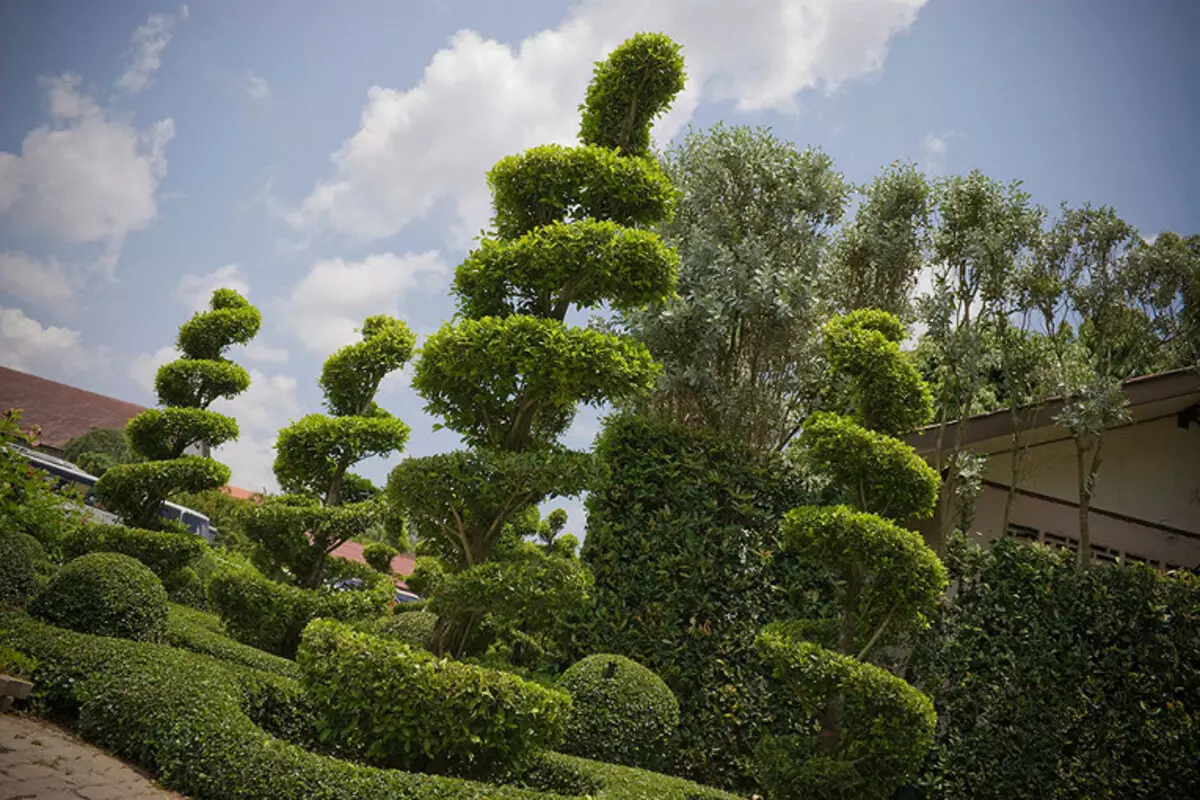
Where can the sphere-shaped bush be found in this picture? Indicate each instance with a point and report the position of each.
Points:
(107, 594)
(17, 575)
(621, 712)
(411, 627)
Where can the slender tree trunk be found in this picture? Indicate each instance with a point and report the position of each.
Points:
(831, 717)
(1085, 535)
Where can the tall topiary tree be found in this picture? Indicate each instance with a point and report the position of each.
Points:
(872, 729)
(186, 388)
(326, 504)
(568, 232)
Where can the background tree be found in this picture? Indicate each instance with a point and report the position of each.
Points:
(874, 729)
(325, 503)
(875, 259)
(186, 388)
(568, 231)
(737, 340)
(99, 449)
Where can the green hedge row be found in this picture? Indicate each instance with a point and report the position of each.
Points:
(161, 551)
(271, 616)
(194, 722)
(202, 632)
(18, 576)
(108, 594)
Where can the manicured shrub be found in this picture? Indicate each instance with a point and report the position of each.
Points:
(379, 556)
(620, 712)
(162, 552)
(400, 707)
(271, 616)
(184, 586)
(414, 628)
(107, 594)
(18, 578)
(202, 632)
(1057, 682)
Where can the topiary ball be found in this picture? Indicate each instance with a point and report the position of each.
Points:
(18, 577)
(621, 712)
(411, 627)
(106, 594)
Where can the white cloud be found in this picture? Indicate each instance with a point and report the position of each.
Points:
(27, 346)
(268, 405)
(479, 99)
(34, 280)
(327, 307)
(145, 51)
(256, 87)
(144, 368)
(85, 177)
(933, 151)
(263, 353)
(196, 290)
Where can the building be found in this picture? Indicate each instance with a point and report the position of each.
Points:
(61, 411)
(1146, 504)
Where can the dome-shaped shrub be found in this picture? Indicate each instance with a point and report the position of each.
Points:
(621, 712)
(17, 575)
(411, 627)
(107, 594)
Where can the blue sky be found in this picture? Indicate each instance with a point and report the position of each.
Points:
(329, 158)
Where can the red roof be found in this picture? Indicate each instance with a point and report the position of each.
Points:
(238, 493)
(62, 411)
(401, 564)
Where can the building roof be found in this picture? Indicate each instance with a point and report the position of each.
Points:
(63, 412)
(238, 493)
(402, 564)
(1149, 397)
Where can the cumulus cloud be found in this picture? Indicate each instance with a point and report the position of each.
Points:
(34, 280)
(328, 306)
(28, 346)
(145, 50)
(268, 405)
(256, 87)
(479, 99)
(933, 151)
(194, 291)
(143, 368)
(85, 177)
(263, 353)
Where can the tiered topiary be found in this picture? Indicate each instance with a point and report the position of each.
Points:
(621, 712)
(107, 594)
(568, 232)
(186, 388)
(327, 504)
(872, 729)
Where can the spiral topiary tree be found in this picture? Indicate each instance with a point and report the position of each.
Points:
(569, 231)
(872, 729)
(326, 504)
(186, 388)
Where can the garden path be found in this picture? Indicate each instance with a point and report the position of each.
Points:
(39, 761)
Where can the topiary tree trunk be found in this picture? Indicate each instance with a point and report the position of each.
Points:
(326, 504)
(874, 729)
(186, 388)
(568, 232)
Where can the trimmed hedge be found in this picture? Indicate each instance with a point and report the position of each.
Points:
(162, 552)
(414, 628)
(396, 706)
(18, 578)
(201, 632)
(271, 616)
(620, 712)
(184, 586)
(107, 594)
(1056, 682)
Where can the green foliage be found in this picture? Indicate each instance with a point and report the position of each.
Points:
(876, 472)
(570, 775)
(99, 449)
(511, 381)
(202, 632)
(875, 260)
(738, 340)
(413, 628)
(28, 502)
(136, 491)
(1058, 682)
(107, 594)
(18, 580)
(629, 89)
(400, 707)
(271, 616)
(226, 513)
(317, 449)
(889, 725)
(681, 527)
(621, 712)
(164, 553)
(553, 183)
(185, 587)
(351, 376)
(15, 664)
(379, 556)
(898, 579)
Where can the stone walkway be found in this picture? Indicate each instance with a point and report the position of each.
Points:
(39, 761)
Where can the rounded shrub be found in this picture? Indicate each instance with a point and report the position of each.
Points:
(163, 552)
(107, 594)
(18, 578)
(379, 556)
(185, 587)
(621, 712)
(413, 628)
